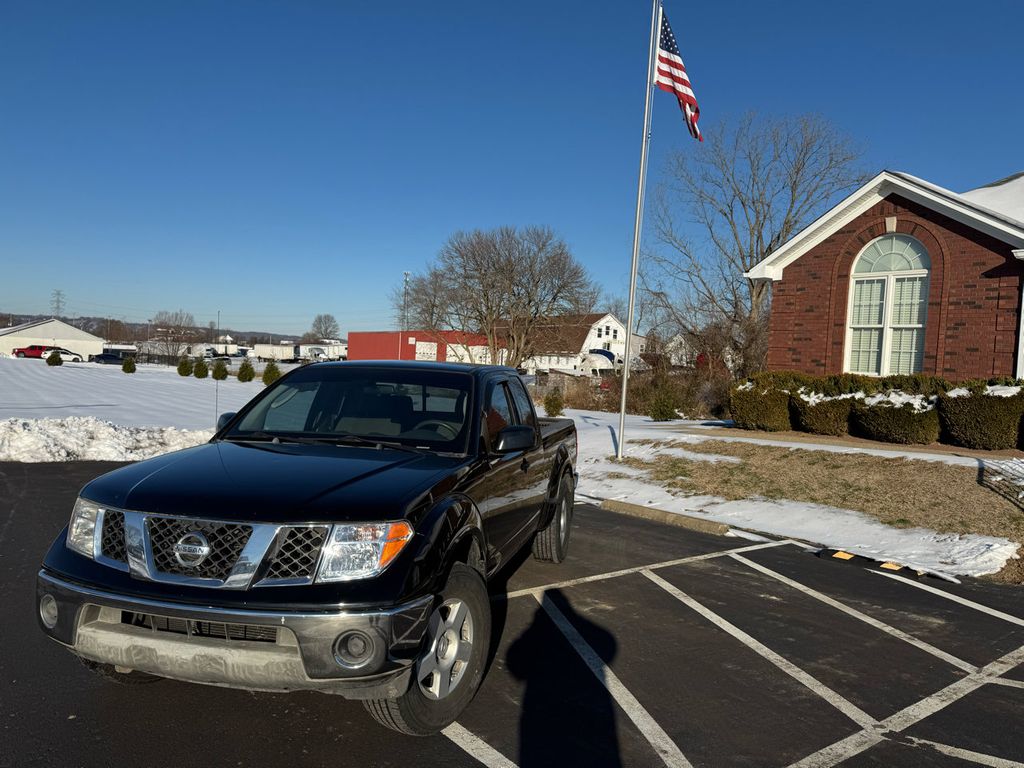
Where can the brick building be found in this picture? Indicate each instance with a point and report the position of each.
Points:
(903, 276)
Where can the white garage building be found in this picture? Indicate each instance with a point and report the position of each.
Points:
(52, 332)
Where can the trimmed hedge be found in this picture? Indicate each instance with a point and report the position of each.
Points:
(896, 424)
(128, 365)
(554, 404)
(981, 421)
(754, 408)
(245, 371)
(849, 383)
(829, 417)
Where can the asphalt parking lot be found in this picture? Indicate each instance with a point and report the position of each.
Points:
(651, 645)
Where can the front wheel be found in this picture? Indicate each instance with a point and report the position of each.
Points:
(20, 354)
(551, 544)
(446, 676)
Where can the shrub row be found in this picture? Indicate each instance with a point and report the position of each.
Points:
(991, 422)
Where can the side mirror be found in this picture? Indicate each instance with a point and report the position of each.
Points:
(515, 438)
(223, 419)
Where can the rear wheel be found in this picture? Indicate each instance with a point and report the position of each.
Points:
(448, 673)
(551, 544)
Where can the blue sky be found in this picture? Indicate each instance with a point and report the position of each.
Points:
(274, 160)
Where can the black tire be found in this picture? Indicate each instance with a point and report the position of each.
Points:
(415, 713)
(107, 672)
(551, 544)
(20, 355)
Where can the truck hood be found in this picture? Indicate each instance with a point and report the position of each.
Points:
(264, 482)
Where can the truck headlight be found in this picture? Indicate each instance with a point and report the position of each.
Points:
(82, 528)
(361, 550)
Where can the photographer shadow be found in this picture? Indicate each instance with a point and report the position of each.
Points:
(568, 715)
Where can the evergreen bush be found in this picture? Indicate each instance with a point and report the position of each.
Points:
(220, 371)
(246, 372)
(554, 404)
(54, 358)
(896, 423)
(185, 366)
(755, 408)
(827, 417)
(200, 369)
(981, 421)
(271, 373)
(662, 405)
(128, 365)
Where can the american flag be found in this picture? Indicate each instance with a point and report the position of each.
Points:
(671, 76)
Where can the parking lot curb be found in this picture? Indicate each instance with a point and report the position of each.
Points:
(661, 516)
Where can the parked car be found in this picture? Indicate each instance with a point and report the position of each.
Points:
(65, 354)
(33, 350)
(106, 358)
(334, 535)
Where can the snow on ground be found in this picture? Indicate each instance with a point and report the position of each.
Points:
(86, 438)
(927, 550)
(154, 396)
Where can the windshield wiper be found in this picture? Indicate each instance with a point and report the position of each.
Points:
(372, 442)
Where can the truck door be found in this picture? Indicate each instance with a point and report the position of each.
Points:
(504, 494)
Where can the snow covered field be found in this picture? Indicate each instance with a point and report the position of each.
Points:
(97, 412)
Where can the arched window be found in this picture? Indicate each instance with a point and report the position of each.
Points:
(888, 307)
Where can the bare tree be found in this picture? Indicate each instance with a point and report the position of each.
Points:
(747, 191)
(500, 283)
(324, 327)
(173, 331)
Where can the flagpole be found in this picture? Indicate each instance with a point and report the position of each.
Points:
(638, 223)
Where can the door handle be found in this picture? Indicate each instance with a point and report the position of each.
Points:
(524, 465)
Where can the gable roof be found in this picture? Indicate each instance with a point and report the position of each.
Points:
(564, 333)
(971, 208)
(19, 329)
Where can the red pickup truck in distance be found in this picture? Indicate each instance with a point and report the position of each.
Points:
(33, 350)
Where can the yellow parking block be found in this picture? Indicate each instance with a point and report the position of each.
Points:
(843, 555)
(891, 566)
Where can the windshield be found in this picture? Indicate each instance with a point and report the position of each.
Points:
(411, 407)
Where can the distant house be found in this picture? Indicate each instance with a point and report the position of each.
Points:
(586, 343)
(438, 346)
(53, 333)
(902, 277)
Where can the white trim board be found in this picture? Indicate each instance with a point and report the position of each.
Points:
(881, 186)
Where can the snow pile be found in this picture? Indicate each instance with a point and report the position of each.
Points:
(919, 403)
(813, 398)
(86, 438)
(601, 477)
(1007, 471)
(995, 390)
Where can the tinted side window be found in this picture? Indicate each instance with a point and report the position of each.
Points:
(523, 404)
(497, 415)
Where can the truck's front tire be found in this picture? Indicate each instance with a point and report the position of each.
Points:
(551, 544)
(448, 673)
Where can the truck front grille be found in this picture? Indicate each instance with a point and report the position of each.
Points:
(212, 629)
(112, 545)
(298, 550)
(227, 540)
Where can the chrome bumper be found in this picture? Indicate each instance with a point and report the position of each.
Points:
(91, 623)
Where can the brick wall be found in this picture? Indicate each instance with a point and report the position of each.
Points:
(974, 297)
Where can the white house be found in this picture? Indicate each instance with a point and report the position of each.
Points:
(588, 343)
(53, 333)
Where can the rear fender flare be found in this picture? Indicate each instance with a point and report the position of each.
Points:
(562, 467)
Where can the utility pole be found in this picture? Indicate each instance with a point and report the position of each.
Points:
(57, 303)
(405, 301)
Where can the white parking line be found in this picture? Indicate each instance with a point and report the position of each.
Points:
(966, 754)
(1008, 683)
(955, 598)
(637, 569)
(915, 713)
(477, 748)
(897, 633)
(859, 716)
(647, 725)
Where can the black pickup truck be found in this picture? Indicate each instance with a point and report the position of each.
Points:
(335, 535)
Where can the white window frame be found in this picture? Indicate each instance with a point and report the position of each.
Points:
(888, 301)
